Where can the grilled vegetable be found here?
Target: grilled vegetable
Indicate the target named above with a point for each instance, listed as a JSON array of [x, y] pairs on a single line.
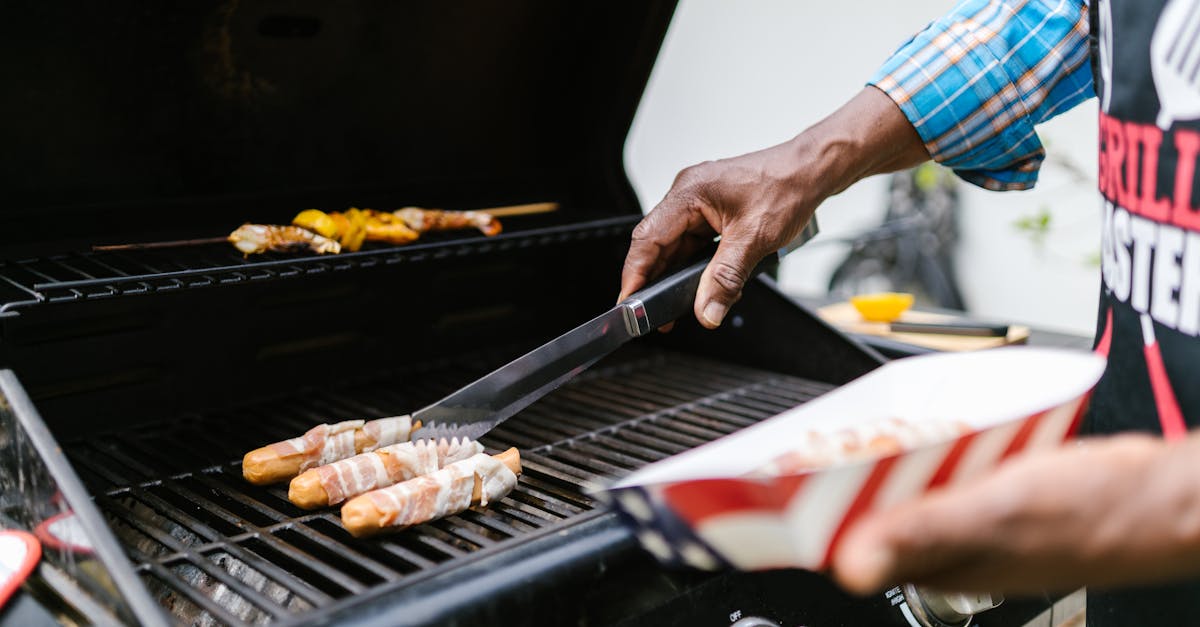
[[388, 227]]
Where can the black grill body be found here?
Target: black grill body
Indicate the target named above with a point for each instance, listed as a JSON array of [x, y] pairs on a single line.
[[136, 380]]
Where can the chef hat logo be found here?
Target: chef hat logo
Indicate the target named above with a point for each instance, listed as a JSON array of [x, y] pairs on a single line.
[[1175, 62]]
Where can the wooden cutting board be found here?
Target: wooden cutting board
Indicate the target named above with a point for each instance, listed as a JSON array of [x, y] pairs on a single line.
[[845, 317]]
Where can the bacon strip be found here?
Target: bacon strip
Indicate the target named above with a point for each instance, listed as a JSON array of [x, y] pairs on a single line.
[[497, 480], [388, 431], [390, 465], [325, 444], [442, 493]]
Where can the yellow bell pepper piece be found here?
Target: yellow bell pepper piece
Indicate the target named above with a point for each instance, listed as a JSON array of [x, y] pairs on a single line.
[[318, 222], [356, 230]]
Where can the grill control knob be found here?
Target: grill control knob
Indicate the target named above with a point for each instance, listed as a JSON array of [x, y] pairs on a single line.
[[755, 621], [942, 609]]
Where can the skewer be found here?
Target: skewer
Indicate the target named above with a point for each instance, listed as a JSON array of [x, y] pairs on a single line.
[[520, 210], [498, 212], [168, 244]]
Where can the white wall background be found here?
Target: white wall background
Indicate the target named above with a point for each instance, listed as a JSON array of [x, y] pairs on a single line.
[[736, 76]]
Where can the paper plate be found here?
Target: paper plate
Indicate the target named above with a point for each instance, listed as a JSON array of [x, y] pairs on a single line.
[[63, 532], [19, 553], [705, 508]]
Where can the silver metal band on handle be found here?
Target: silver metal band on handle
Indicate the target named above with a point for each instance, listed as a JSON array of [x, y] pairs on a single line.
[[636, 321]]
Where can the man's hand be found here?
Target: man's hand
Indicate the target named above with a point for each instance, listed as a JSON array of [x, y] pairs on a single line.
[[760, 201], [1110, 511]]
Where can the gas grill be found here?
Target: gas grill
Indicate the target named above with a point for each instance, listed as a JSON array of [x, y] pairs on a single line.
[[135, 380]]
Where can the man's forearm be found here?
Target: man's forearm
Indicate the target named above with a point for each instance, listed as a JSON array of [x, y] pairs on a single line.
[[761, 200], [868, 135]]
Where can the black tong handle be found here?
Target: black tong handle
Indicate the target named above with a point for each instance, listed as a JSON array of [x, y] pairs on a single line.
[[671, 298]]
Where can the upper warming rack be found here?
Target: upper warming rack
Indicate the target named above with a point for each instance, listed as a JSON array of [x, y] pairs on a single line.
[[90, 275]]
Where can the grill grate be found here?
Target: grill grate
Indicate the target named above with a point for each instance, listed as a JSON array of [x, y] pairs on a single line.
[[82, 276], [215, 550]]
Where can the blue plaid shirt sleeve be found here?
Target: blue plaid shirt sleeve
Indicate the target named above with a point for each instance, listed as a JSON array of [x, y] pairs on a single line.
[[975, 82]]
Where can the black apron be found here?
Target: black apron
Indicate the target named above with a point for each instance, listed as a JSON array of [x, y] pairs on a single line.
[[1146, 62]]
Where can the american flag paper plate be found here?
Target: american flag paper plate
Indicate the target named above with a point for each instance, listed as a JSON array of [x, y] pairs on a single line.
[[947, 418]]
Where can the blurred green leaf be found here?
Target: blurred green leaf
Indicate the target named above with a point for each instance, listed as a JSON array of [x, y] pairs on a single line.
[[1037, 224], [927, 176]]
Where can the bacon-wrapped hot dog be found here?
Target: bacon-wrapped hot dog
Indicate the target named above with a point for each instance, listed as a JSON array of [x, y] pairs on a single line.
[[323, 444], [333, 483], [477, 480], [870, 440]]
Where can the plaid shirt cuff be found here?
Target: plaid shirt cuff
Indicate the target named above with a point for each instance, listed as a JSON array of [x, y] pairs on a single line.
[[975, 82]]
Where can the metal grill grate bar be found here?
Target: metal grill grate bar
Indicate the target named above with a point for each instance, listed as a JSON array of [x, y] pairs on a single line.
[[165, 578], [193, 558]]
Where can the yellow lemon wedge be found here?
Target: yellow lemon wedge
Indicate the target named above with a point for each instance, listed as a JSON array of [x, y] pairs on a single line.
[[882, 307]]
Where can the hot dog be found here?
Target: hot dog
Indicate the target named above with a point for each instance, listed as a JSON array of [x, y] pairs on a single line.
[[333, 483], [323, 444], [477, 480]]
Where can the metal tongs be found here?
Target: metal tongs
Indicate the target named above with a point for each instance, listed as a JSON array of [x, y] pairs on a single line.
[[477, 408]]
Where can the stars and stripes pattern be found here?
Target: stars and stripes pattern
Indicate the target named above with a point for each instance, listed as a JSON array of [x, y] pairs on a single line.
[[797, 520]]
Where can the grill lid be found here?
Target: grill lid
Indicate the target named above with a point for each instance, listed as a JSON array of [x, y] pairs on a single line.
[[224, 112]]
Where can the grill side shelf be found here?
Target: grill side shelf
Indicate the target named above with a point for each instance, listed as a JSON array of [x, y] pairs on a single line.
[[213, 548]]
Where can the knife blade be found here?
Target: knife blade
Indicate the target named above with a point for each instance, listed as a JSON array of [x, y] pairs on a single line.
[[478, 407]]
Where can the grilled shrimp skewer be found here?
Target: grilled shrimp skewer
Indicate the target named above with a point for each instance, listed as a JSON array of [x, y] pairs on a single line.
[[347, 230], [333, 232], [354, 226]]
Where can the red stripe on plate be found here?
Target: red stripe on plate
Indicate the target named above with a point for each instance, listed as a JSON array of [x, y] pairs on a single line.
[[1077, 420], [1017, 444], [695, 501], [10, 581], [57, 531], [950, 462], [862, 502]]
